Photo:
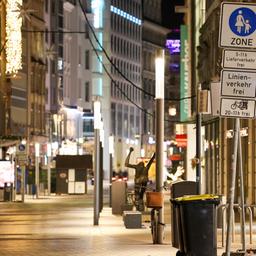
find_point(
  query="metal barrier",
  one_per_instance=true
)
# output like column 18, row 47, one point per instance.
column 223, row 221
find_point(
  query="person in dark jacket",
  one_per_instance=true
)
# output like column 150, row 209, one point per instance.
column 140, row 179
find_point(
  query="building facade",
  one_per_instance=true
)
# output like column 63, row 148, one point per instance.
column 24, row 89
column 154, row 37
column 77, row 93
column 218, row 147
column 54, row 19
column 117, row 78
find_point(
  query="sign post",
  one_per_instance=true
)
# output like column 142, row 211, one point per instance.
column 237, row 31
column 22, row 160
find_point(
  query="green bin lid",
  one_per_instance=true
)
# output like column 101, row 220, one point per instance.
column 197, row 197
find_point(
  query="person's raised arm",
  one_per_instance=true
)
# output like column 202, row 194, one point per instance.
column 151, row 161
column 127, row 160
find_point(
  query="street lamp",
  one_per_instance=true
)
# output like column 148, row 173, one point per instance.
column 97, row 125
column 159, row 76
column 172, row 111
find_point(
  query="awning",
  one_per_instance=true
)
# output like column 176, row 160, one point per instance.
column 8, row 143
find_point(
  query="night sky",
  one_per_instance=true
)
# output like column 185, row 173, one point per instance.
column 170, row 19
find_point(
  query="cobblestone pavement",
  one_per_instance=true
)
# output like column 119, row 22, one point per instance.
column 63, row 225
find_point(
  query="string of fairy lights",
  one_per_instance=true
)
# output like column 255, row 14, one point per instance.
column 13, row 43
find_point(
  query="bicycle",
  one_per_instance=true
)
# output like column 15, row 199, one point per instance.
column 135, row 197
column 154, row 200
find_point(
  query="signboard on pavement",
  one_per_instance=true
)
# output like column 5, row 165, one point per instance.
column 238, row 83
column 21, row 154
column 240, row 108
column 237, row 25
column 239, row 59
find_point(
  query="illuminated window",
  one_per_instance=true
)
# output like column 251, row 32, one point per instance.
column 87, row 59
column 125, row 15
column 87, row 91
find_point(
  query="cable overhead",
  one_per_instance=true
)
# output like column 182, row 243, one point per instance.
column 122, row 92
column 114, row 82
column 107, row 72
column 54, row 31
column 106, row 54
column 84, row 32
column 116, row 68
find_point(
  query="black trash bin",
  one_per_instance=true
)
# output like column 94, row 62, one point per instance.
column 8, row 187
column 196, row 217
column 179, row 189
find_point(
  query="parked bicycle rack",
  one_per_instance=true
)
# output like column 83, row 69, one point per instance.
column 223, row 212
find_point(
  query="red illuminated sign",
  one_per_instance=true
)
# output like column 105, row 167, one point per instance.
column 181, row 140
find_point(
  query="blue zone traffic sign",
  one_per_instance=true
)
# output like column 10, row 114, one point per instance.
column 237, row 25
column 242, row 21
column 22, row 147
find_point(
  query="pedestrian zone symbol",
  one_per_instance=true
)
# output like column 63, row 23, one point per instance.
column 242, row 21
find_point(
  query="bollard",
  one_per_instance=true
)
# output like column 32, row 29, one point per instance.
column 250, row 210
column 223, row 231
column 250, row 222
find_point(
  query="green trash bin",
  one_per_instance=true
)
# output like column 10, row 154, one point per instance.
column 198, row 225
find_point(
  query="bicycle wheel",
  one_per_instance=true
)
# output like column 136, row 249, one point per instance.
column 179, row 253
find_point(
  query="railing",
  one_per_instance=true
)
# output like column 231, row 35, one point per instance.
column 248, row 209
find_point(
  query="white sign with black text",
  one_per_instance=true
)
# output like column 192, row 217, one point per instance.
column 240, row 108
column 239, row 59
column 238, row 83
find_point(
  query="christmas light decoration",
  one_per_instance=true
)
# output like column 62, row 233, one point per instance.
column 13, row 37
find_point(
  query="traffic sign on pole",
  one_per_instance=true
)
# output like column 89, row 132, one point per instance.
column 241, row 59
column 237, row 25
column 238, row 83
column 237, row 30
column 240, row 108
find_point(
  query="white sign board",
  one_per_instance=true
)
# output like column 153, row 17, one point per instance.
column 238, row 83
column 237, row 25
column 239, row 59
column 6, row 172
column 230, row 107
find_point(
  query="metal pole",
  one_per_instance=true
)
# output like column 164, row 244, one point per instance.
column 15, row 181
column 101, row 177
column 241, row 176
column 49, row 175
column 191, row 13
column 232, row 188
column 198, row 152
column 110, row 179
column 23, row 169
column 28, row 110
column 96, row 176
column 37, row 177
column 159, row 160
